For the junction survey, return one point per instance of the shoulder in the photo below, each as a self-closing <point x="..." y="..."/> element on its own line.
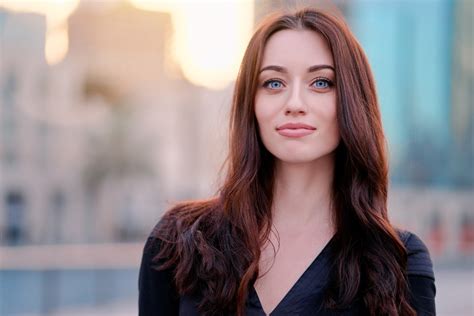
<point x="183" y="215"/>
<point x="154" y="244"/>
<point x="419" y="259"/>
<point x="421" y="279"/>
<point x="162" y="237"/>
<point x="177" y="227"/>
<point x="157" y="293"/>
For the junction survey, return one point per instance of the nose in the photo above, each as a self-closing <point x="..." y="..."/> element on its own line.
<point x="295" y="103"/>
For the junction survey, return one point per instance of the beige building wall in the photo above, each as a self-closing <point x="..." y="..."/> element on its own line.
<point x="104" y="141"/>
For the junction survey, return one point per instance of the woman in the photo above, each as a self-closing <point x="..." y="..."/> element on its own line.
<point x="300" y="225"/>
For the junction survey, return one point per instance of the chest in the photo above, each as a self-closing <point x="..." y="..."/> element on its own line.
<point x="305" y="298"/>
<point x="283" y="264"/>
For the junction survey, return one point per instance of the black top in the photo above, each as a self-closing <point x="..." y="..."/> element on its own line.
<point x="158" y="297"/>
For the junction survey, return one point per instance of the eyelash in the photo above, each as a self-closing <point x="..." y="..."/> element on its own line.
<point x="329" y="82"/>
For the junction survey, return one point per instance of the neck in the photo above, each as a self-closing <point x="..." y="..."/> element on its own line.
<point x="302" y="194"/>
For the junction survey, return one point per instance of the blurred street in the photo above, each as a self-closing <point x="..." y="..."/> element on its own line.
<point x="455" y="292"/>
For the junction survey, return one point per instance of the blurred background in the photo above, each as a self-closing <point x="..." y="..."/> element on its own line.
<point x="112" y="110"/>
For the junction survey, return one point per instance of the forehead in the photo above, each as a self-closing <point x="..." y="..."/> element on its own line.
<point x="297" y="47"/>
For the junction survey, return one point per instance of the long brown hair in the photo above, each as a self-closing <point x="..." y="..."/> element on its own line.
<point x="214" y="245"/>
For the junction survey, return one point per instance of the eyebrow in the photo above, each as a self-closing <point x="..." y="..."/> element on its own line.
<point x="284" y="70"/>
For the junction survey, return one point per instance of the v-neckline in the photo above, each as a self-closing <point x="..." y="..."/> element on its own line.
<point x="297" y="282"/>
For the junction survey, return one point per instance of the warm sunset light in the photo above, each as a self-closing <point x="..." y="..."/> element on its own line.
<point x="210" y="36"/>
<point x="56" y="12"/>
<point x="56" y="46"/>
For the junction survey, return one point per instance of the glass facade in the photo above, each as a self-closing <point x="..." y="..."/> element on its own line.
<point x="410" y="46"/>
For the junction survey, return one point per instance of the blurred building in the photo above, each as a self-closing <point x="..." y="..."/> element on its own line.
<point x="412" y="49"/>
<point x="462" y="97"/>
<point x="122" y="46"/>
<point x="25" y="140"/>
<point x="158" y="118"/>
<point x="424" y="80"/>
<point x="95" y="148"/>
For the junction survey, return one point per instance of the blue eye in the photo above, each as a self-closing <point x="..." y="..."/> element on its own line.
<point x="273" y="84"/>
<point x="322" y="83"/>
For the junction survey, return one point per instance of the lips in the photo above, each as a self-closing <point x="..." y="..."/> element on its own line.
<point x="295" y="130"/>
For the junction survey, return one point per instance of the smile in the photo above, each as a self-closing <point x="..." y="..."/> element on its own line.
<point x="300" y="132"/>
<point x="295" y="130"/>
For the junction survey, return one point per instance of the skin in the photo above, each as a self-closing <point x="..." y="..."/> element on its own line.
<point x="302" y="216"/>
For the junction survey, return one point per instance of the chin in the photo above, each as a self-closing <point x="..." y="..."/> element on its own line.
<point x="297" y="159"/>
<point x="302" y="157"/>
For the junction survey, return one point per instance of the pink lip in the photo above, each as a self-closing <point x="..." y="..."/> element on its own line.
<point x="295" y="130"/>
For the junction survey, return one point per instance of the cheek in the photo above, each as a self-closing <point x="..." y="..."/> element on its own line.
<point x="325" y="110"/>
<point x="334" y="125"/>
<point x="328" y="120"/>
<point x="332" y="117"/>
<point x="264" y="112"/>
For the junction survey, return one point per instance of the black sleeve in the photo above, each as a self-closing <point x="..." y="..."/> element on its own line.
<point x="420" y="276"/>
<point x="157" y="296"/>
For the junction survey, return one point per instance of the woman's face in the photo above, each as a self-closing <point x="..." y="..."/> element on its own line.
<point x="295" y="103"/>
